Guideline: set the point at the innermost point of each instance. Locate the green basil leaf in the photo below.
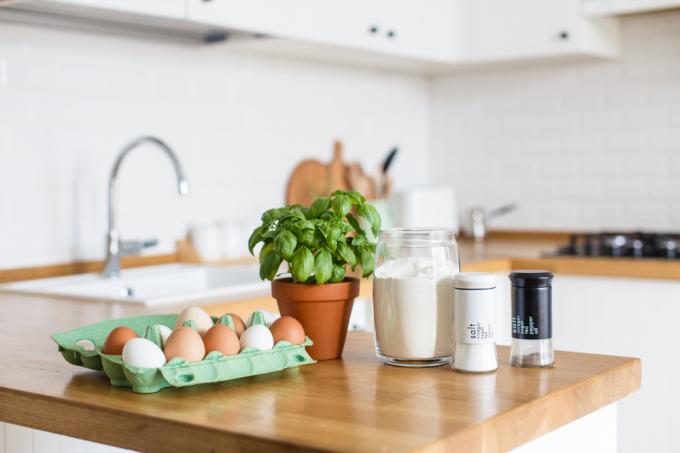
(305, 225)
(347, 254)
(325, 230)
(359, 241)
(267, 248)
(270, 264)
(306, 237)
(297, 214)
(341, 205)
(335, 233)
(356, 197)
(318, 207)
(344, 226)
(285, 243)
(302, 264)
(323, 266)
(369, 213)
(254, 239)
(355, 223)
(338, 273)
(270, 214)
(366, 261)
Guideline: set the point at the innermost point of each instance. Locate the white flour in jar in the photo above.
(413, 308)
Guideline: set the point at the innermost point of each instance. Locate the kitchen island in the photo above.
(355, 404)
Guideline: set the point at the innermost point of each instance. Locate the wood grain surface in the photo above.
(354, 404)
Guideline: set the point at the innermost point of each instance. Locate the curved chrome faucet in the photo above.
(114, 246)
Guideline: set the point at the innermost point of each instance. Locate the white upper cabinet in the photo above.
(615, 7)
(521, 29)
(172, 9)
(408, 28)
(423, 36)
(441, 32)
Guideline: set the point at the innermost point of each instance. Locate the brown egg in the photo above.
(238, 323)
(116, 340)
(289, 329)
(185, 343)
(221, 338)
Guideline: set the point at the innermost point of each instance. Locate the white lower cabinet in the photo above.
(592, 433)
(621, 316)
(19, 439)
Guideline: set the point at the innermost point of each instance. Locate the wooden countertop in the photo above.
(501, 251)
(354, 404)
(507, 251)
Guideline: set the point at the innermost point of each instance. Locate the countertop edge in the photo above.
(88, 422)
(509, 429)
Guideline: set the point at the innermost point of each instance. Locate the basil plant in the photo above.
(318, 242)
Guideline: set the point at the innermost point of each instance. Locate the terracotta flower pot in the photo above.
(323, 310)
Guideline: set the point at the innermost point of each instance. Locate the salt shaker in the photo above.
(474, 301)
(531, 319)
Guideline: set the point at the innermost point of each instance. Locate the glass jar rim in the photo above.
(419, 236)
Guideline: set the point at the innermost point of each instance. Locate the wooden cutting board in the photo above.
(312, 179)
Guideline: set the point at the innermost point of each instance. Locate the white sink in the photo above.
(153, 285)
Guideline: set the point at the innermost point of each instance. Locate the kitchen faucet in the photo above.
(114, 246)
(480, 217)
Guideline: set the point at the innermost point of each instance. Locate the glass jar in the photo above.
(413, 296)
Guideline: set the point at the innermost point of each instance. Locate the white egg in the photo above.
(85, 345)
(143, 353)
(258, 337)
(165, 333)
(269, 317)
(201, 319)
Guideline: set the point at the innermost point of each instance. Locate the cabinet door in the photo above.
(297, 19)
(613, 7)
(420, 29)
(504, 29)
(174, 9)
(398, 27)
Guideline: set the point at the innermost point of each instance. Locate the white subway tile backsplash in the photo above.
(624, 190)
(604, 135)
(4, 72)
(599, 119)
(239, 123)
(646, 118)
(665, 140)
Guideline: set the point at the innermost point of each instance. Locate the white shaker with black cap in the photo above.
(474, 301)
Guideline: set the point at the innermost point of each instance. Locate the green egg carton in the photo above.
(215, 367)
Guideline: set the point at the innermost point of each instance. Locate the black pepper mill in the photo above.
(531, 319)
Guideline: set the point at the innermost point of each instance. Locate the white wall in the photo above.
(70, 101)
(580, 146)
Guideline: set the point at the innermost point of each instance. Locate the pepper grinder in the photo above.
(531, 319)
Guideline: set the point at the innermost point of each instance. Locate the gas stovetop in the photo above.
(623, 245)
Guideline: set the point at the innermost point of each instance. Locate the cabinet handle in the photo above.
(563, 35)
(373, 29)
(391, 34)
